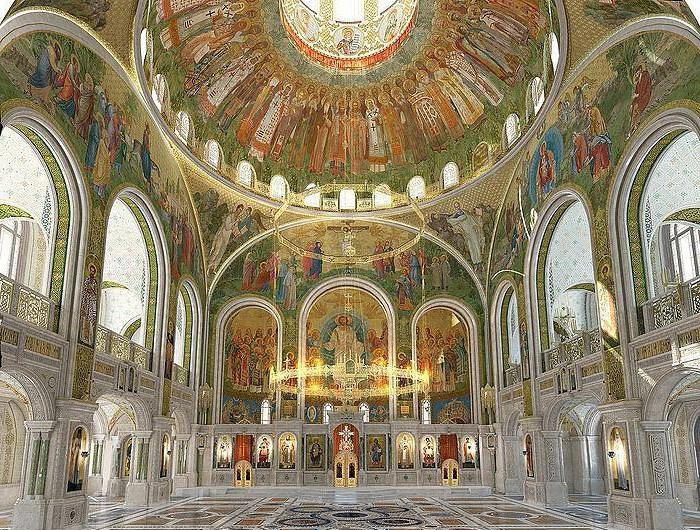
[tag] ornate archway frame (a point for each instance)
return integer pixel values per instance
(226, 313)
(470, 321)
(194, 335)
(360, 284)
(502, 296)
(557, 203)
(158, 287)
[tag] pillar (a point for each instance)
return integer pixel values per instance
(510, 466)
(137, 490)
(548, 486)
(31, 509)
(650, 502)
(486, 455)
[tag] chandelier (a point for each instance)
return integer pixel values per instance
(351, 381)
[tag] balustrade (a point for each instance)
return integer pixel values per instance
(26, 304)
(573, 349)
(679, 302)
(110, 343)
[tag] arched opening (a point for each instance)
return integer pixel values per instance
(245, 176)
(250, 346)
(165, 453)
(123, 308)
(510, 336)
(511, 130)
(183, 126)
(536, 94)
(15, 409)
(566, 291)
(348, 200)
(266, 412)
(426, 414)
(416, 188)
(364, 410)
(381, 196)
(450, 175)
(444, 346)
(312, 200)
(327, 409)
(186, 335)
(160, 93)
(554, 51)
(29, 217)
(213, 154)
(279, 188)
(671, 192)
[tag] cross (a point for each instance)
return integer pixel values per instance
(346, 435)
(348, 301)
(211, 13)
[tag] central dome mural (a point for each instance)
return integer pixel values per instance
(361, 91)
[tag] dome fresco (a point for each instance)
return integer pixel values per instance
(295, 90)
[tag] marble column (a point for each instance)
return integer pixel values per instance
(510, 465)
(487, 455)
(137, 491)
(32, 508)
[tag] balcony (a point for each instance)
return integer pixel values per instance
(110, 343)
(679, 302)
(570, 351)
(26, 304)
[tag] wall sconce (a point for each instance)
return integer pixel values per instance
(84, 454)
(611, 454)
(524, 452)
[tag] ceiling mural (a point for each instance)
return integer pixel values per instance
(286, 96)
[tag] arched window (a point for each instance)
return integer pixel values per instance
(312, 200)
(160, 92)
(537, 94)
(327, 409)
(416, 188)
(554, 50)
(669, 235)
(450, 175)
(426, 412)
(180, 331)
(28, 226)
(278, 187)
(246, 174)
(265, 412)
(513, 330)
(348, 200)
(569, 277)
(511, 129)
(364, 410)
(143, 43)
(183, 126)
(212, 152)
(381, 197)
(125, 277)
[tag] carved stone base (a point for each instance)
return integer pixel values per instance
(546, 493)
(41, 514)
(628, 513)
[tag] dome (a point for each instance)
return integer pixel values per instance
(357, 92)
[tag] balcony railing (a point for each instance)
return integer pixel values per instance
(679, 302)
(110, 343)
(569, 351)
(26, 304)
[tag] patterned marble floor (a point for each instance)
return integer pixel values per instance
(238, 512)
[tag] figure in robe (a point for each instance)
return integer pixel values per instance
(343, 342)
(376, 146)
(69, 81)
(428, 454)
(579, 152)
(222, 238)
(287, 456)
(404, 291)
(85, 107)
(405, 454)
(376, 452)
(88, 307)
(316, 262)
(357, 137)
(250, 272)
(472, 76)
(497, 21)
(263, 139)
(393, 130)
(250, 123)
(467, 105)
(546, 172)
(145, 156)
(485, 50)
(339, 138)
(641, 97)
(599, 144)
(471, 228)
(320, 136)
(47, 70)
(426, 111)
(378, 263)
(447, 113)
(101, 171)
(290, 288)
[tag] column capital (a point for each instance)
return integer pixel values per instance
(39, 426)
(551, 434)
(649, 426)
(142, 435)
